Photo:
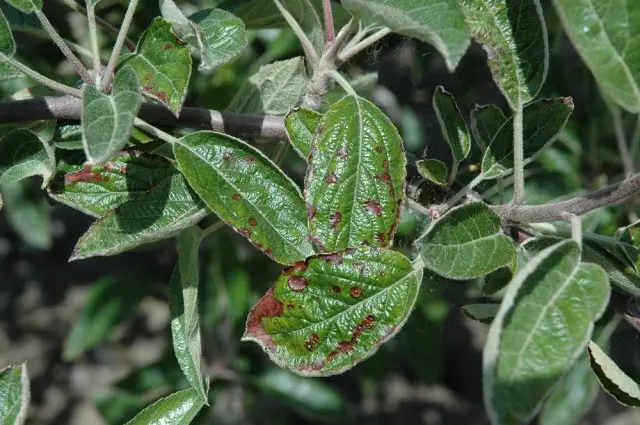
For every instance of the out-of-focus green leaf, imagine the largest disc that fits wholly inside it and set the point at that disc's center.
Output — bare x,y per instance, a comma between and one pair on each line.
453,127
178,408
301,125
433,170
486,121
118,406
28,213
612,379
26,6
14,395
481,312
23,154
7,43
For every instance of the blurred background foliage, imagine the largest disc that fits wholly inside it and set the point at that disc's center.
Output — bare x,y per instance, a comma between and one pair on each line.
95,333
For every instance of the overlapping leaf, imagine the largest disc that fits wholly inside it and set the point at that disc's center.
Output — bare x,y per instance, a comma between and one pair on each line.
612,379
107,120
354,185
466,242
179,408
162,64
301,125
437,22
331,311
247,191
543,324
433,170
453,127
23,154
28,214
481,312
26,6
7,43
485,123
14,395
514,35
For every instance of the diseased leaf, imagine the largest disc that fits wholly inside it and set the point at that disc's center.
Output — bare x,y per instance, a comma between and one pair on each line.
107,120
604,32
543,324
112,300
327,313
542,122
354,186
183,305
453,127
23,154
247,191
612,379
275,89
26,6
162,65
14,395
486,121
178,408
7,43
437,22
481,312
514,35
433,170
465,243
301,125
27,212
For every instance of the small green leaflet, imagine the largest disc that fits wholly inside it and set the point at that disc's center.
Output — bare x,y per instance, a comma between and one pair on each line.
327,313
612,379
247,191
276,88
107,120
7,43
14,395
486,121
183,305
514,35
179,408
354,186
23,154
481,312
543,324
301,125
162,64
437,22
465,243
543,120
26,6
453,127
433,170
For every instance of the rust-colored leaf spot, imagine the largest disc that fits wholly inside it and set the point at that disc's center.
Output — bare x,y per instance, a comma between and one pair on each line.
253,221
336,289
168,46
227,156
297,283
355,292
311,211
298,266
244,232
345,346
335,218
385,177
162,96
373,207
86,175
385,163
331,178
342,153
290,306
148,76
381,238
182,42
311,342
367,323
268,306
336,258
382,274
268,253
249,159
149,87
379,149
235,196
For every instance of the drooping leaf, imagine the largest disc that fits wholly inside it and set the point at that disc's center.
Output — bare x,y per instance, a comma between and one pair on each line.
301,125
162,65
24,154
542,122
152,215
612,379
514,35
433,170
453,127
604,34
107,120
183,305
112,300
437,22
7,43
331,311
354,186
543,324
486,121
481,312
27,212
26,6
14,395
274,89
178,408
248,191
465,243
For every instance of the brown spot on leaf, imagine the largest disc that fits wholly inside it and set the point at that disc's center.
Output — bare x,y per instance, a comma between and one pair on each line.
385,177
297,283
381,238
345,346
227,156
253,221
382,274
148,76
290,306
373,207
168,46
367,323
298,266
355,292
268,306
311,211
162,96
311,342
342,153
336,289
336,258
235,196
85,175
244,232
181,42
385,163
268,252
335,218
331,178
379,149
249,159
149,87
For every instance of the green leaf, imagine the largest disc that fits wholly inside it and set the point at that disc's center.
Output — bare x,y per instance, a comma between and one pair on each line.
354,186
112,300
150,216
437,22
100,189
453,127
247,191
27,212
301,125
497,280
14,395
68,137
178,408
514,35
183,305
465,243
275,89
481,312
327,313
433,170
543,324
612,379
23,154
162,64
26,6
107,120
543,120
7,43
486,121
604,34
20,21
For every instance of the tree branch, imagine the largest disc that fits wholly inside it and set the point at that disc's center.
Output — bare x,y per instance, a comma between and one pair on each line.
69,108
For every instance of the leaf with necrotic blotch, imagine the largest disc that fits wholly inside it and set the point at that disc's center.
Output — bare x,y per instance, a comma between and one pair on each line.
327,313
